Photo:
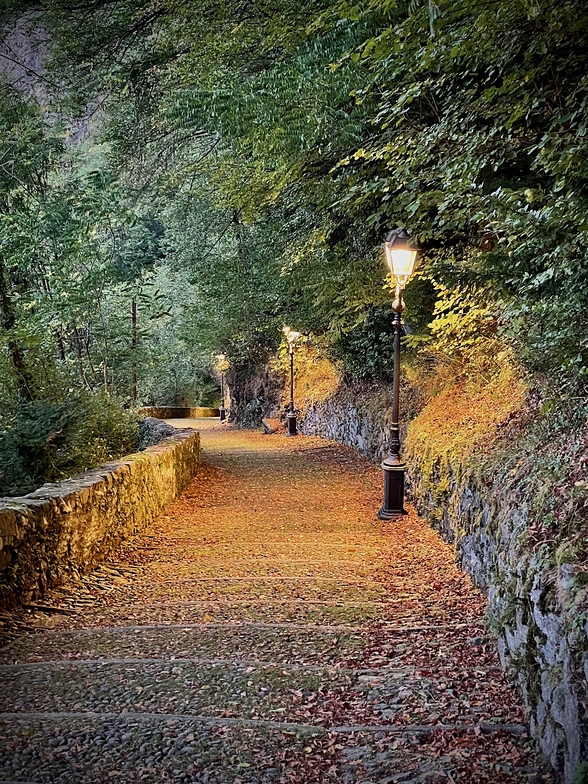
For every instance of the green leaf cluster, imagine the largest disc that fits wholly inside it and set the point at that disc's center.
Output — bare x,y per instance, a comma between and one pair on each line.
46,441
281,143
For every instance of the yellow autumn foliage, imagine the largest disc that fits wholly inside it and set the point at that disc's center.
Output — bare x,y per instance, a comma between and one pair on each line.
315,377
463,416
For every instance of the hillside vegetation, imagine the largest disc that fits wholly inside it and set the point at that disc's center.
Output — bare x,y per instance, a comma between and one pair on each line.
238,167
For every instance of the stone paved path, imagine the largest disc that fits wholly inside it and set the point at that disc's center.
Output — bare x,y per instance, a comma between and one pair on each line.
267,628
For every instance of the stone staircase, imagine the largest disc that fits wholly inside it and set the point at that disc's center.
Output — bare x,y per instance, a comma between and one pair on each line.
267,628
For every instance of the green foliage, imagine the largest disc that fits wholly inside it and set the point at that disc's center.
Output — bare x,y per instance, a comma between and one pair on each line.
464,333
181,381
367,351
46,441
479,141
581,773
256,206
74,256
266,150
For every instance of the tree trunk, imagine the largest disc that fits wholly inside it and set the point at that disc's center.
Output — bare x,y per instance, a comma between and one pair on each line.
134,348
8,322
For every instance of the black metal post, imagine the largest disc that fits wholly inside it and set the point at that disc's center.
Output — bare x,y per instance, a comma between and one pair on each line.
291,415
222,412
134,348
393,466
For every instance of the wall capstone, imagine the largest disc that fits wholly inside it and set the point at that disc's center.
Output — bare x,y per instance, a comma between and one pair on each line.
67,528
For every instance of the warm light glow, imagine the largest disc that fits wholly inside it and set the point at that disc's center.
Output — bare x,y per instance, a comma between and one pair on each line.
401,255
291,335
401,262
221,363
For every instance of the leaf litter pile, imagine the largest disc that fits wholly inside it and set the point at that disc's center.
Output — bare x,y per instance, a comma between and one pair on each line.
266,628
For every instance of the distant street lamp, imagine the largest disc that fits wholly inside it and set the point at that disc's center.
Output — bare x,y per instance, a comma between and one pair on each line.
291,337
401,255
222,364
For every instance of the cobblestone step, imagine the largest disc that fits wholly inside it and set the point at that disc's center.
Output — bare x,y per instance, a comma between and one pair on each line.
303,611
280,642
242,690
267,629
92,749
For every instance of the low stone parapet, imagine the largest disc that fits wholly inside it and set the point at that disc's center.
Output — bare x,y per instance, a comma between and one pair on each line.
67,528
178,412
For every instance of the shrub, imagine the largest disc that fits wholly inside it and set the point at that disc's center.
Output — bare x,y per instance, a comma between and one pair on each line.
46,440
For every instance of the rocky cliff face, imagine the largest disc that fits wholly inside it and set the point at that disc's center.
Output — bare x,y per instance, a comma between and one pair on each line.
537,590
24,48
24,44
254,393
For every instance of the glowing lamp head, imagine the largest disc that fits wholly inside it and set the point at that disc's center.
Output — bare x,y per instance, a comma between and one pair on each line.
401,255
291,335
221,363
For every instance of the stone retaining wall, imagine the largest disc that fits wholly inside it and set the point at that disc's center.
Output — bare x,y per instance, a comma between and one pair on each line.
178,412
66,528
538,608
358,415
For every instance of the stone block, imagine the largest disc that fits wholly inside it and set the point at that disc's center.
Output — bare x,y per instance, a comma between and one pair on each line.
8,524
516,639
68,527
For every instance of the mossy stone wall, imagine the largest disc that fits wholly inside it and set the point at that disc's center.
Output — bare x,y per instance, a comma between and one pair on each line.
534,606
358,415
67,528
537,609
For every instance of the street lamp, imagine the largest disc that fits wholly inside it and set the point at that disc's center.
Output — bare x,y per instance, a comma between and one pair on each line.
401,255
222,364
291,337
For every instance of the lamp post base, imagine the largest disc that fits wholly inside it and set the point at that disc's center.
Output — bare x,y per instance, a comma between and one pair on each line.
222,413
393,505
291,419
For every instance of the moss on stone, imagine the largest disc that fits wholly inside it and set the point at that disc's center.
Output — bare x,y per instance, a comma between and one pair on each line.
73,525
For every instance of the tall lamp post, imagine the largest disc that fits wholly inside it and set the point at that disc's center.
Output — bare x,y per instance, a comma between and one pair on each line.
401,255
291,337
222,364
